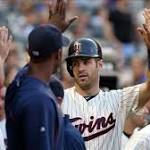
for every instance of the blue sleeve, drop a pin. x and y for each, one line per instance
(39, 124)
(73, 139)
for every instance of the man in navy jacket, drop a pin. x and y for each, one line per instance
(34, 122)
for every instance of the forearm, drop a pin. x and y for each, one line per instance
(1, 72)
(144, 31)
(129, 128)
(145, 88)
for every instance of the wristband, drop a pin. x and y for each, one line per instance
(126, 134)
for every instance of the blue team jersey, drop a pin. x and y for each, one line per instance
(33, 119)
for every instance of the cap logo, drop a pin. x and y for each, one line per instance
(77, 48)
(35, 53)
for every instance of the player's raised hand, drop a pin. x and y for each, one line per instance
(145, 29)
(5, 43)
(57, 15)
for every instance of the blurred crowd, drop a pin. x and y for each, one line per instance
(112, 23)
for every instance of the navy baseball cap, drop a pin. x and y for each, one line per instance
(44, 40)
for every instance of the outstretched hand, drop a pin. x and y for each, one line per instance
(5, 43)
(145, 29)
(57, 16)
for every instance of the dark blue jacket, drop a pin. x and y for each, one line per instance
(33, 119)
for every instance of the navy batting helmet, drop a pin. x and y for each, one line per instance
(83, 47)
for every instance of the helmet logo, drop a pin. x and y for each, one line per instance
(77, 48)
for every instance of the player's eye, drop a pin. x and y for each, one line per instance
(75, 63)
(85, 62)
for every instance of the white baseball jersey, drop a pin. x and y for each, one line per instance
(101, 119)
(2, 145)
(140, 140)
(124, 141)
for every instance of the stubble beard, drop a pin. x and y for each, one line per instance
(83, 85)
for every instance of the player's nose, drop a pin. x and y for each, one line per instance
(81, 66)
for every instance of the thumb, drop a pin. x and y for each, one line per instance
(72, 20)
(69, 22)
(140, 30)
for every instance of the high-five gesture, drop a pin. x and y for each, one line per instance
(57, 15)
(5, 43)
(145, 29)
(145, 33)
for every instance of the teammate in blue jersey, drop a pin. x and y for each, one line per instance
(72, 137)
(33, 119)
(34, 122)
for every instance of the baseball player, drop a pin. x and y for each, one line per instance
(72, 137)
(99, 115)
(135, 120)
(137, 129)
(140, 140)
(34, 122)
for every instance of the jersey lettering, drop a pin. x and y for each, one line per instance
(102, 125)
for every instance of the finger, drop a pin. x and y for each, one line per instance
(145, 27)
(63, 10)
(146, 110)
(69, 22)
(58, 1)
(57, 6)
(73, 19)
(145, 17)
(0, 34)
(141, 31)
(145, 14)
(10, 39)
(148, 13)
(50, 10)
(3, 33)
(60, 7)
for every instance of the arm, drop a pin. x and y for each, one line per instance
(144, 31)
(144, 91)
(57, 16)
(5, 43)
(129, 127)
(136, 119)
